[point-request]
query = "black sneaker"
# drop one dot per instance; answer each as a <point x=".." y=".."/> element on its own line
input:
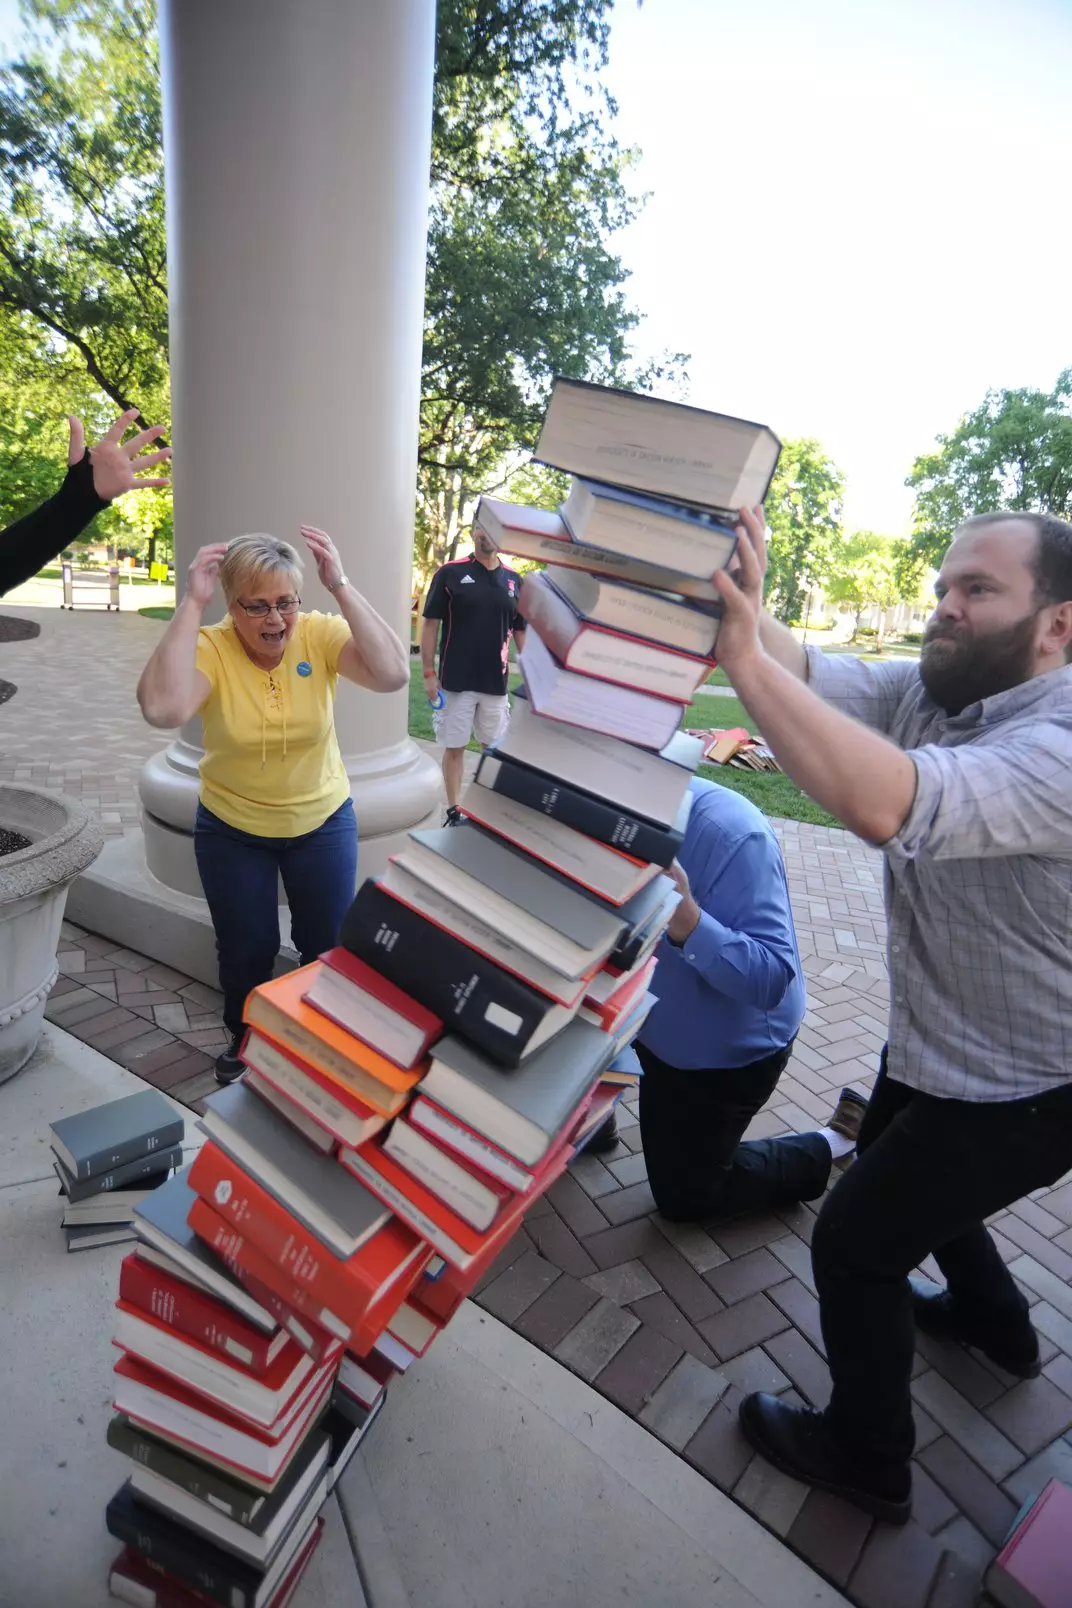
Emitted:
<point x="453" y="816"/>
<point x="229" y="1065"/>
<point x="1016" y="1350"/>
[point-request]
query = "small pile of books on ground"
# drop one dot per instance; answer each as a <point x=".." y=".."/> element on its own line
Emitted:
<point x="108" y="1160"/>
<point x="411" y="1094"/>
<point x="737" y="748"/>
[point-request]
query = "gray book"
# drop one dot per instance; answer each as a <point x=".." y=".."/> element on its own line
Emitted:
<point x="160" y="1223"/>
<point x="88" y="1236"/>
<point x="647" y="784"/>
<point x="540" y="909"/>
<point x="330" y="1202"/>
<point x="236" y="1501"/>
<point x="109" y="1136"/>
<point x="523" y="1111"/>
<point x="147" y="1168"/>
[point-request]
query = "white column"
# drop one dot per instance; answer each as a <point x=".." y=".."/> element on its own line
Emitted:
<point x="297" y="141"/>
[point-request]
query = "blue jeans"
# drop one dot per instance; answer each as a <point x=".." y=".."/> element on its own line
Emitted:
<point x="240" y="875"/>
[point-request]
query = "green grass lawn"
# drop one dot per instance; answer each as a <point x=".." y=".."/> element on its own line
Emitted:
<point x="162" y="611"/>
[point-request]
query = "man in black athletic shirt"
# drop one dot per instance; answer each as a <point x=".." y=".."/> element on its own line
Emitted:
<point x="476" y="599"/>
<point x="94" y="479"/>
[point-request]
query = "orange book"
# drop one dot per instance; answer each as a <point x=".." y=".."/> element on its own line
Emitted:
<point x="278" y="1009"/>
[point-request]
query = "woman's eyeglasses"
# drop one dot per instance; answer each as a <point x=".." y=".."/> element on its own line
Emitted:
<point x="258" y="611"/>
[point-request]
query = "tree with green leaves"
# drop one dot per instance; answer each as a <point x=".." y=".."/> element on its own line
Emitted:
<point x="803" y="511"/>
<point x="528" y="187"/>
<point x="865" y="575"/>
<point x="1014" y="451"/>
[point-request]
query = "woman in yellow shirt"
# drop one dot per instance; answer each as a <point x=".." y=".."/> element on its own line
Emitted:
<point x="275" y="798"/>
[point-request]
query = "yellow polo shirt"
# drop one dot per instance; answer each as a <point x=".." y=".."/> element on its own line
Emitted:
<point x="272" y="764"/>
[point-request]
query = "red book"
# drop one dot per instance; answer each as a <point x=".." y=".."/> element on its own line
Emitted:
<point x="375" y="1010"/>
<point x="365" y="1378"/>
<point x="160" y="1404"/>
<point x="310" y="1335"/>
<point x="198" y="1315"/>
<point x="613" y="1004"/>
<point x="439" y="1297"/>
<point x="1034" y="1568"/>
<point x="426" y="1214"/>
<point x="347" y="1288"/>
<point x="605" y="654"/>
<point x="454" y="1135"/>
<point x="335" y="1108"/>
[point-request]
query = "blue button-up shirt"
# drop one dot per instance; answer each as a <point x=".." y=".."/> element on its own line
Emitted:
<point x="734" y="992"/>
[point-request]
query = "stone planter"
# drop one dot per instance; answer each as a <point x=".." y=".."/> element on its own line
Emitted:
<point x="64" y="839"/>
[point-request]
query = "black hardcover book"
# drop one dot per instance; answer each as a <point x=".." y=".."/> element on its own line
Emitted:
<point x="194" y="1559"/>
<point x="202" y="1480"/>
<point x="145" y="1173"/>
<point x="644" y="840"/>
<point x="500" y="1014"/>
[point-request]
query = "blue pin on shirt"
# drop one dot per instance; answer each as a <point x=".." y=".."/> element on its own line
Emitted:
<point x="305" y="668"/>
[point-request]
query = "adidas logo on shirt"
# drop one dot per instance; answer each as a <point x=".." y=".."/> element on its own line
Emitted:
<point x="467" y="580"/>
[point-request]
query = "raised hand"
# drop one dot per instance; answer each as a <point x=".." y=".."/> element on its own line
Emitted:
<point x="325" y="556"/>
<point x="114" y="460"/>
<point x="741" y="591"/>
<point x="202" y="574"/>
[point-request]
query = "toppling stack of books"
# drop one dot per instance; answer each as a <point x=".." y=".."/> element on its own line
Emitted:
<point x="108" y="1160"/>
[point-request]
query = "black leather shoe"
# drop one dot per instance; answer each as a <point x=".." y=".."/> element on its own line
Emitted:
<point x="798" y="1442"/>
<point x="1015" y="1350"/>
<point x="229" y="1065"/>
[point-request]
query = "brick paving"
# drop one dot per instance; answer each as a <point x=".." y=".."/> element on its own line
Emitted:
<point x="673" y="1323"/>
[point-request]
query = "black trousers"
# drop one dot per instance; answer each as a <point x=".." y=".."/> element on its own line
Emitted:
<point x="927" y="1173"/>
<point x="691" y="1124"/>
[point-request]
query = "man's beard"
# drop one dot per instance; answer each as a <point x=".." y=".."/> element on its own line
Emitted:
<point x="958" y="668"/>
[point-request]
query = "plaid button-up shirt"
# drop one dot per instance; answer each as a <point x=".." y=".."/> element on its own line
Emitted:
<point x="978" y="882"/>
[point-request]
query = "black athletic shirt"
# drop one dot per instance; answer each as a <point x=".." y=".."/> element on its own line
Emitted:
<point x="478" y="608"/>
<point x="31" y="542"/>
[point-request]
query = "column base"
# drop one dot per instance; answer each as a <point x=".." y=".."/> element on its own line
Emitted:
<point x="394" y="789"/>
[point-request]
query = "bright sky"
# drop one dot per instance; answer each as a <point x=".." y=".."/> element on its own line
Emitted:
<point x="859" y="221"/>
<point x="859" y="215"/>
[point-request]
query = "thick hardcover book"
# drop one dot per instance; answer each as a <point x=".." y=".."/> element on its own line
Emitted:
<point x="89" y="1236"/>
<point x="345" y="1286"/>
<point x="164" y="1407"/>
<point x="628" y="438"/>
<point x="685" y="539"/>
<point x="112" y="1135"/>
<point x="642" y="841"/>
<point x="604" y="653"/>
<point x="671" y="622"/>
<point x="464" y="1141"/>
<point x="523" y="1111"/>
<point x="312" y="1187"/>
<point x="135" y="1580"/>
<point x="279" y="1009"/>
<point x="200" y="1563"/>
<point x="326" y="1102"/>
<point x="197" y="1315"/>
<point x="454" y="916"/>
<point x="1034" y="1567"/>
<point x="141" y="1174"/>
<point x="161" y="1221"/>
<point x="259" y="1398"/>
<point x="225" y="1492"/>
<point x="595" y="866"/>
<point x="537" y="534"/>
<point x="650" y="786"/>
<point x="595" y="706"/>
<point x="300" y="1492"/>
<point x="663" y="900"/>
<point x="359" y="999"/>
<point x="477" y="1199"/>
<point x="507" y="1019"/>
<point x="563" y="925"/>
<point x="292" y="1111"/>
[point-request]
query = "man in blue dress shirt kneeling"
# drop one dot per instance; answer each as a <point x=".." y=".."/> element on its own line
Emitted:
<point x="730" y="993"/>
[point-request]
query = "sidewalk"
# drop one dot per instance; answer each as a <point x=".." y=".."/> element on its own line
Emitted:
<point x="492" y="1479"/>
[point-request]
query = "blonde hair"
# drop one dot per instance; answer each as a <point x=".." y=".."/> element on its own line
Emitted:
<point x="249" y="560"/>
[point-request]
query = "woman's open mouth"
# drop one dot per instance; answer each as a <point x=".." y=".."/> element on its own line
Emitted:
<point x="273" y="636"/>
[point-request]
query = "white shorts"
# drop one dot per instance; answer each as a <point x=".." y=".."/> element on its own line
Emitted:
<point x="467" y="714"/>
